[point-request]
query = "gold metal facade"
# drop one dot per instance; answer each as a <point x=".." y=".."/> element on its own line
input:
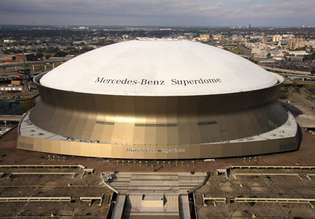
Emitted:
<point x="155" y="127"/>
<point x="154" y="152"/>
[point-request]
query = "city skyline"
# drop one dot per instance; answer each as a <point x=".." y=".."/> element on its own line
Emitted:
<point x="158" y="13"/>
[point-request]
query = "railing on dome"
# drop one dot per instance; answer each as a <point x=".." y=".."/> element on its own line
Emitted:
<point x="38" y="77"/>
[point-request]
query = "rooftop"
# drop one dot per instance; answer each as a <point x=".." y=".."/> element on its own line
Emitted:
<point x="159" y="68"/>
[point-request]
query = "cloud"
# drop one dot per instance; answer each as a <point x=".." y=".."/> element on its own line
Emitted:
<point x="158" y="12"/>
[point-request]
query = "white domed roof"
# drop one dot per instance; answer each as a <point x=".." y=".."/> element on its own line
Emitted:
<point x="158" y="68"/>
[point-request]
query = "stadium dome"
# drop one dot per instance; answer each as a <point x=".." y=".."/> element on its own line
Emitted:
<point x="158" y="68"/>
<point x="159" y="99"/>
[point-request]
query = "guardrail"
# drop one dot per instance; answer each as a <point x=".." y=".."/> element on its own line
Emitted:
<point x="43" y="173"/>
<point x="89" y="199"/>
<point x="235" y="175"/>
<point x="272" y="200"/>
<point x="214" y="200"/>
<point x="11" y="118"/>
<point x="276" y="200"/>
<point x="228" y="171"/>
<point x="283" y="70"/>
<point x="43" y="166"/>
<point x="274" y="167"/>
<point x="36" y="199"/>
<point x="20" y="170"/>
<point x="92" y="199"/>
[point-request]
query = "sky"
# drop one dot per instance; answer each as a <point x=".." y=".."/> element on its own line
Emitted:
<point x="159" y="12"/>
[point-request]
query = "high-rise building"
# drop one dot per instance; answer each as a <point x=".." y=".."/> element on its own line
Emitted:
<point x="276" y="38"/>
<point x="296" y="43"/>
